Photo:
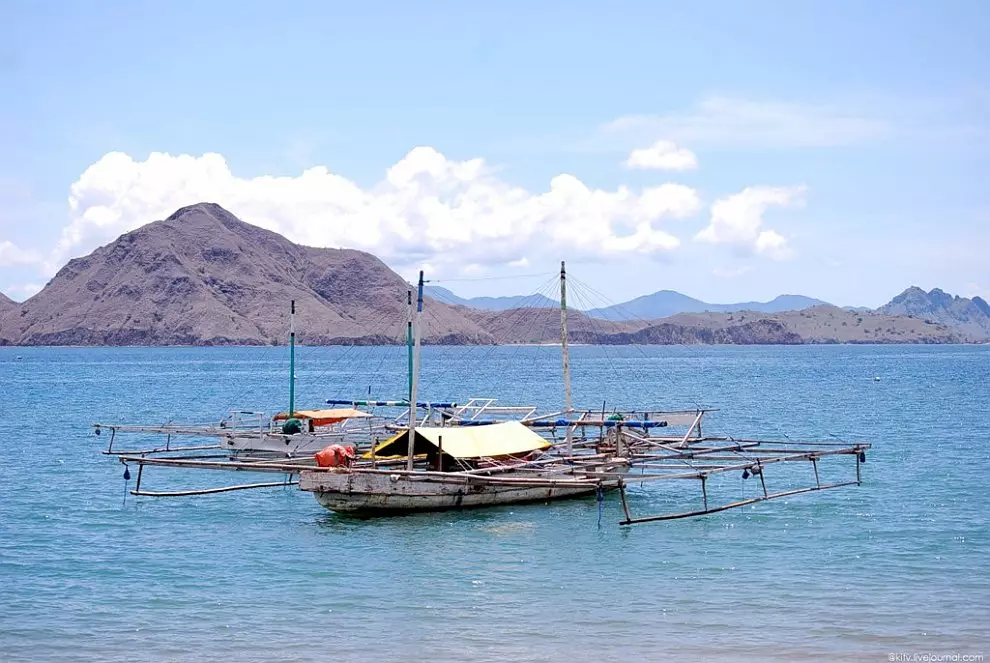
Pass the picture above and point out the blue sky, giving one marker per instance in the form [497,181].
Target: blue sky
[833,149]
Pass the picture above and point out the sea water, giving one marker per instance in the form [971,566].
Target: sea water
[897,566]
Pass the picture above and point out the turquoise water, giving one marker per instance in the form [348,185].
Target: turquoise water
[897,565]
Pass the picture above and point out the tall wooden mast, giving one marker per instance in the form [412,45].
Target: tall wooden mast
[565,355]
[414,383]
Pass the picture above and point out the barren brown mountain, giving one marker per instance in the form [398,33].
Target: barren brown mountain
[7,308]
[969,317]
[202,276]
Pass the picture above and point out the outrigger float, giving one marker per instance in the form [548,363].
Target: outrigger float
[441,456]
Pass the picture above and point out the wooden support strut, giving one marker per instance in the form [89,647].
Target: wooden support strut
[694,424]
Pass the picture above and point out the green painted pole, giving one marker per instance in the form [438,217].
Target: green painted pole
[292,360]
[409,345]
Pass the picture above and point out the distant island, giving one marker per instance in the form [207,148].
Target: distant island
[204,277]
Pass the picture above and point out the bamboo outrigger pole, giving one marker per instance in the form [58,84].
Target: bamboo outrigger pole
[414,382]
[564,353]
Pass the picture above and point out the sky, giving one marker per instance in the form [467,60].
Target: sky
[728,150]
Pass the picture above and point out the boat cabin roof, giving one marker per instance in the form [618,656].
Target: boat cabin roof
[502,439]
[324,417]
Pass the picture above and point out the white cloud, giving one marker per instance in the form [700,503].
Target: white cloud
[738,219]
[772,244]
[662,155]
[427,208]
[732,122]
[12,256]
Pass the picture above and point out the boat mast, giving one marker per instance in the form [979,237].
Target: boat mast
[409,345]
[563,349]
[292,361]
[414,382]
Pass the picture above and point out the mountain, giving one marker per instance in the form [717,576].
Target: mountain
[7,308]
[505,303]
[822,324]
[202,276]
[650,307]
[778,304]
[665,303]
[970,317]
[542,325]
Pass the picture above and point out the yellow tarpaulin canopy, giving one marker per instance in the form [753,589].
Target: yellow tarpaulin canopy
[509,438]
[324,417]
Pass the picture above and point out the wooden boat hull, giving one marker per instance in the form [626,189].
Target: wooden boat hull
[383,494]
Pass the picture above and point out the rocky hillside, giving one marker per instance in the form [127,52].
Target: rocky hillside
[202,276]
[970,317]
[7,305]
[819,324]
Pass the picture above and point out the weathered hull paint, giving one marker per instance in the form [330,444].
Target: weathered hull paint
[383,494]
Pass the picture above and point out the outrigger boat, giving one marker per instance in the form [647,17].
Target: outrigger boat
[482,464]
[464,467]
[455,457]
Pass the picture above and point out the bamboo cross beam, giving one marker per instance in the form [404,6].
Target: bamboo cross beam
[733,505]
[211,491]
[156,450]
[695,473]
